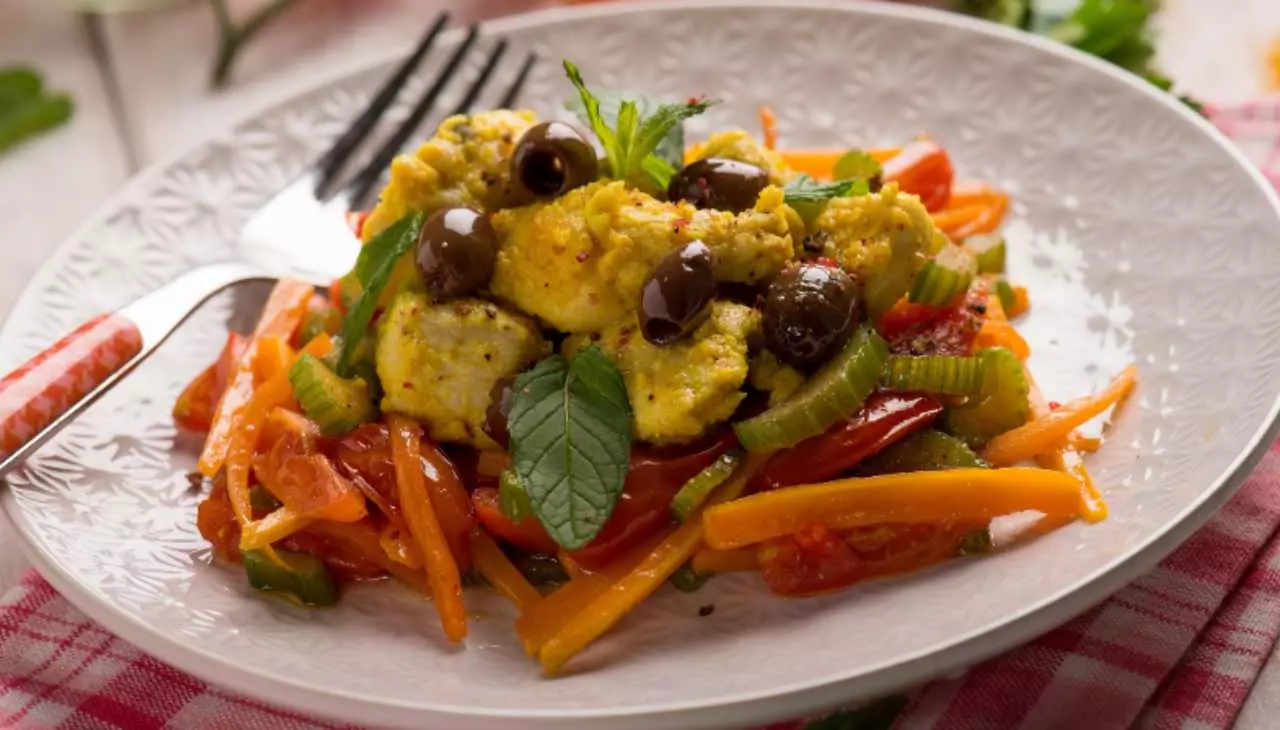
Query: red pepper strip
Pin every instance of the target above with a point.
(884, 419)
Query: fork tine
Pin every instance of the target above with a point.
(513, 92)
(360, 185)
(333, 160)
(482, 80)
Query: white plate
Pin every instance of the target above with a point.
(1141, 233)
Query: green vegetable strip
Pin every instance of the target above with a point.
(883, 290)
(1004, 292)
(941, 374)
(989, 250)
(337, 405)
(1002, 405)
(32, 117)
(945, 277)
(836, 391)
(373, 270)
(923, 451)
(696, 490)
(686, 580)
(512, 499)
(304, 579)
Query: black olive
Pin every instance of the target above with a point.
(551, 159)
(719, 184)
(495, 416)
(677, 296)
(809, 313)
(456, 252)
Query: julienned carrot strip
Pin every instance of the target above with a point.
(997, 332)
(415, 502)
(674, 550)
(968, 192)
(248, 423)
(450, 501)
(962, 495)
(707, 560)
(501, 574)
(949, 219)
(986, 221)
(1082, 443)
(769, 127)
(280, 317)
(821, 163)
(273, 528)
(1067, 460)
(1043, 434)
(1021, 302)
(273, 356)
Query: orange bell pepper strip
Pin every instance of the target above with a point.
(623, 595)
(997, 332)
(493, 564)
(1067, 460)
(986, 221)
(274, 356)
(821, 164)
(962, 495)
(195, 408)
(249, 420)
(415, 503)
(1043, 434)
(280, 317)
(708, 561)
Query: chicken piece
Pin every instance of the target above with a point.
(737, 144)
(439, 362)
(578, 262)
(771, 375)
(465, 163)
(677, 391)
(857, 232)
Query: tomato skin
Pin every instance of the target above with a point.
(923, 168)
(645, 505)
(528, 534)
(885, 418)
(813, 560)
(198, 402)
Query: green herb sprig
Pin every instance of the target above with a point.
(26, 107)
(373, 270)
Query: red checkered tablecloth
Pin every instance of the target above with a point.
(1180, 647)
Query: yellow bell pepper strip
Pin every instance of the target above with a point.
(493, 564)
(707, 560)
(970, 495)
(672, 552)
(280, 317)
(415, 502)
(1065, 458)
(273, 528)
(249, 420)
(1043, 434)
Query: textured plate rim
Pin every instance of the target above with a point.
(779, 702)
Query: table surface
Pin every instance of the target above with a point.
(132, 111)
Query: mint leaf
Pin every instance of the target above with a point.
(638, 134)
(804, 189)
(570, 429)
(373, 270)
(857, 164)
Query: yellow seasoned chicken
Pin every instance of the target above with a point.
(677, 391)
(772, 376)
(737, 144)
(439, 362)
(857, 232)
(465, 163)
(578, 262)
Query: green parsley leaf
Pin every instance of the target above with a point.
(639, 135)
(26, 109)
(18, 84)
(859, 164)
(570, 429)
(373, 270)
(804, 189)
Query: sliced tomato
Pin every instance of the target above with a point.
(914, 329)
(923, 168)
(366, 453)
(198, 402)
(528, 534)
(644, 508)
(883, 419)
(450, 501)
(217, 523)
(813, 560)
(901, 548)
(342, 559)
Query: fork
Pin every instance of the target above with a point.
(300, 233)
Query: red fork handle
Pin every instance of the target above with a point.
(34, 396)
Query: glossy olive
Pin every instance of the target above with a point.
(495, 416)
(677, 296)
(456, 252)
(719, 184)
(809, 313)
(551, 159)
